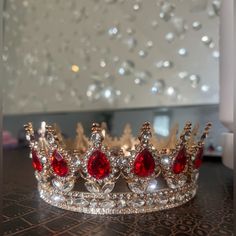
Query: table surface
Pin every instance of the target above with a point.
(24, 213)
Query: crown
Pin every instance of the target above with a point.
(111, 175)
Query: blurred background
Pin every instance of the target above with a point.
(111, 60)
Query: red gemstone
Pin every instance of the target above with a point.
(179, 162)
(58, 164)
(36, 162)
(98, 165)
(198, 158)
(144, 164)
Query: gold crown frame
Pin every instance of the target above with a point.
(106, 175)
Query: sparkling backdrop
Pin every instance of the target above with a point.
(105, 54)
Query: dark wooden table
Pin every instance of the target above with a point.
(24, 213)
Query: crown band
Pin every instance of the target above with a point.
(104, 175)
(117, 203)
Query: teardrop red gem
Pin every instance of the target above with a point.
(98, 165)
(36, 162)
(59, 164)
(144, 164)
(198, 158)
(180, 162)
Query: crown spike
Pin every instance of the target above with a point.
(193, 135)
(145, 133)
(29, 133)
(205, 133)
(186, 132)
(96, 127)
(81, 141)
(172, 139)
(96, 136)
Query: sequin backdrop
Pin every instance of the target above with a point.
(105, 54)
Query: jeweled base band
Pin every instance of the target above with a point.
(117, 203)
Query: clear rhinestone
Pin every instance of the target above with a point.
(176, 183)
(152, 186)
(121, 203)
(149, 201)
(44, 159)
(195, 176)
(166, 161)
(28, 137)
(93, 203)
(96, 137)
(57, 198)
(108, 204)
(179, 197)
(65, 186)
(37, 175)
(50, 138)
(163, 201)
(107, 188)
(172, 199)
(146, 135)
(80, 201)
(136, 187)
(194, 191)
(137, 202)
(92, 187)
(122, 162)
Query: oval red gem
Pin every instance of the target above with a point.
(98, 165)
(58, 164)
(180, 162)
(36, 162)
(198, 158)
(144, 164)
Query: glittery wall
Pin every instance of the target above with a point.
(101, 54)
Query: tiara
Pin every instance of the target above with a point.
(116, 175)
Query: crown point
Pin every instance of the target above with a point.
(96, 127)
(144, 164)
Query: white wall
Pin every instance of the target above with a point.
(43, 39)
